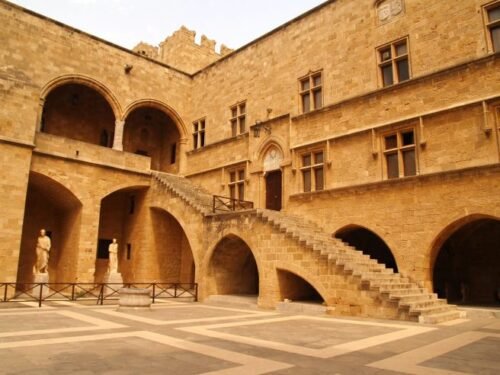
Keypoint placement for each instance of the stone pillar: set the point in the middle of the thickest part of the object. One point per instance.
(87, 244)
(118, 140)
(182, 155)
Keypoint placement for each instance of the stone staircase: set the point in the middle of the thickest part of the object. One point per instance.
(413, 302)
(193, 195)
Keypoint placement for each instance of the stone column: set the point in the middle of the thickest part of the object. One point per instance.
(87, 244)
(118, 140)
(182, 155)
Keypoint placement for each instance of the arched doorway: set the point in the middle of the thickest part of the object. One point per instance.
(50, 206)
(233, 268)
(151, 132)
(76, 111)
(121, 216)
(295, 288)
(174, 257)
(467, 266)
(369, 243)
(273, 176)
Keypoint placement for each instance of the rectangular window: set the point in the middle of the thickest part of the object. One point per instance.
(493, 25)
(199, 134)
(312, 171)
(400, 154)
(237, 184)
(311, 95)
(393, 62)
(238, 119)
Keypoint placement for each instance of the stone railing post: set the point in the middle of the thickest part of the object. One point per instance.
(118, 139)
(183, 144)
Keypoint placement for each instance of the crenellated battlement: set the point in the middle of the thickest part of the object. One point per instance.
(180, 50)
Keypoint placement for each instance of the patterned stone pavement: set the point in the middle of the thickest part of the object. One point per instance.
(195, 338)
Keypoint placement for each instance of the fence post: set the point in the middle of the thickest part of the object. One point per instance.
(196, 292)
(175, 290)
(5, 293)
(40, 295)
(154, 292)
(73, 291)
(101, 295)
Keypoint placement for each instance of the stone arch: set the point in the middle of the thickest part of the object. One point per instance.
(264, 147)
(52, 206)
(161, 106)
(153, 129)
(172, 248)
(79, 108)
(231, 267)
(464, 260)
(369, 242)
(85, 81)
(448, 230)
(122, 216)
(304, 275)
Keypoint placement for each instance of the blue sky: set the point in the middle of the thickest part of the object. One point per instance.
(127, 22)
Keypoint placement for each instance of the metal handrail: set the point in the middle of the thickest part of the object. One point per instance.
(221, 203)
(46, 292)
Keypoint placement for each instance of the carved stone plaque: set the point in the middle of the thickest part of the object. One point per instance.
(389, 9)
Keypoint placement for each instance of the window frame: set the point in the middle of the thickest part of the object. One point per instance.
(199, 133)
(489, 25)
(312, 168)
(399, 150)
(238, 118)
(393, 61)
(310, 91)
(238, 183)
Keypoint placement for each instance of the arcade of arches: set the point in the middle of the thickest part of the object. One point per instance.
(467, 267)
(79, 112)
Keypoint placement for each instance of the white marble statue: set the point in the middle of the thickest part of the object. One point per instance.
(113, 257)
(43, 245)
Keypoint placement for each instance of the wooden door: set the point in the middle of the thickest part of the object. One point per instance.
(273, 190)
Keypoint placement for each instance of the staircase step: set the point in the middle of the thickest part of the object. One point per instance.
(441, 317)
(429, 310)
(408, 298)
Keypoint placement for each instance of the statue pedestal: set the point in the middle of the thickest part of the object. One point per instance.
(116, 280)
(135, 299)
(40, 278)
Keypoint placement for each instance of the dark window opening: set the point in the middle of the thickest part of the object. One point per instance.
(173, 153)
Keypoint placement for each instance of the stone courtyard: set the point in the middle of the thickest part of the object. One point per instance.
(206, 338)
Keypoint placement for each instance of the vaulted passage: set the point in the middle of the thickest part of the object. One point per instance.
(173, 254)
(295, 288)
(78, 112)
(369, 243)
(120, 217)
(50, 206)
(151, 132)
(467, 267)
(234, 268)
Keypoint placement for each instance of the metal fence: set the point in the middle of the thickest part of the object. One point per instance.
(98, 292)
(221, 203)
